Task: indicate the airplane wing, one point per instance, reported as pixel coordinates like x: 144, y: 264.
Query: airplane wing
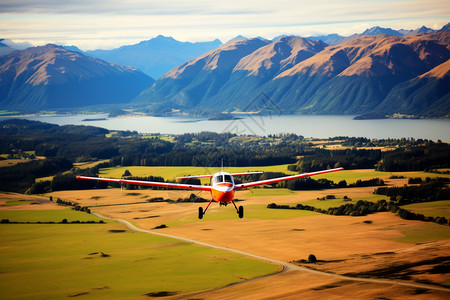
x: 151, y: 183
x: 273, y: 180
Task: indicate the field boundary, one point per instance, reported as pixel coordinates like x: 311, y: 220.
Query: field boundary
x: 286, y: 266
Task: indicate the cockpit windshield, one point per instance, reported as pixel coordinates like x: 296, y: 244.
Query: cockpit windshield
x: 223, y: 178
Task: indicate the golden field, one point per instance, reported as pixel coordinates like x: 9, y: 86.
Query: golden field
x: 380, y: 245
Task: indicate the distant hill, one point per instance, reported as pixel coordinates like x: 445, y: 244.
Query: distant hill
x: 368, y: 73
x: 156, y: 56
x: 335, y: 39
x: 51, y: 77
x: 4, y: 48
x: 380, y: 30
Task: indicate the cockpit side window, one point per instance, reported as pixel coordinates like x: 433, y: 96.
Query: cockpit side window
x: 228, y: 178
x: 218, y: 179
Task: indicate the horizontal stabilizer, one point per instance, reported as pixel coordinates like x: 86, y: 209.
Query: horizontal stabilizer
x: 195, y: 176
x: 211, y: 175
x: 247, y: 173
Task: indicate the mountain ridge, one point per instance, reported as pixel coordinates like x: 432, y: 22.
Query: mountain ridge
x: 156, y: 56
x: 351, y: 78
x: 49, y: 77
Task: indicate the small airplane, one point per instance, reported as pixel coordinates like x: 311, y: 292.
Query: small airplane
x: 222, y: 186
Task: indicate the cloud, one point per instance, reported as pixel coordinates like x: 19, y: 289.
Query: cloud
x: 89, y: 24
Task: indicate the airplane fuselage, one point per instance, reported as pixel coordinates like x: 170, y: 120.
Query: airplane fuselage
x: 222, y: 187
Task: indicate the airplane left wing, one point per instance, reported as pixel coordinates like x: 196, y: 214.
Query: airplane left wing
x: 273, y: 180
x: 151, y: 183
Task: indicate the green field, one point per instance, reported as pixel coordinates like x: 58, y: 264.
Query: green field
x: 60, y: 261
x: 19, y: 202
x: 431, y: 209
x: 263, y: 192
x: 422, y: 233
x: 351, y: 176
x: 47, y: 215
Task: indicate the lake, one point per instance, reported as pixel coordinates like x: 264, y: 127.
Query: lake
x: 307, y: 126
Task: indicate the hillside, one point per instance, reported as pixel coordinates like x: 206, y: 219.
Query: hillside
x: 51, y: 77
x: 363, y: 75
x: 227, y: 74
x: 4, y: 48
x: 200, y: 78
x: 156, y: 56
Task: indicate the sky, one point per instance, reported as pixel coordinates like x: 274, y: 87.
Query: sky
x: 107, y: 24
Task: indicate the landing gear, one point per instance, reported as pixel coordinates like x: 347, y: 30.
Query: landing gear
x: 201, y: 213
x: 239, y: 210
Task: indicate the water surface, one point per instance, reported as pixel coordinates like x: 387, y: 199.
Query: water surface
x: 307, y: 126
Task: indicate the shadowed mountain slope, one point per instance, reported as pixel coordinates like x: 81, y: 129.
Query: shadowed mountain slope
x: 201, y: 78
x: 298, y: 75
x: 52, y: 77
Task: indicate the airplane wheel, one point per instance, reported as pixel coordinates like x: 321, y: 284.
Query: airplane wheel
x: 241, y: 212
x: 200, y: 212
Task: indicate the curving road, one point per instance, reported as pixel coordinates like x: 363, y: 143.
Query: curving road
x: 286, y: 266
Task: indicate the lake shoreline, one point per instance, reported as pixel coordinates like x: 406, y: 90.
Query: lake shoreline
x: 315, y: 126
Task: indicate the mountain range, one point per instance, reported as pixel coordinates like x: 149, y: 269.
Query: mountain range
x: 51, y: 77
x: 156, y: 56
x: 370, y: 73
x: 378, y: 72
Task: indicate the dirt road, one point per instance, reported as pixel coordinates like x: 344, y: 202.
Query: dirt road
x: 287, y: 267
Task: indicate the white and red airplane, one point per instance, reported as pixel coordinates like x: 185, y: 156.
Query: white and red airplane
x: 222, y: 186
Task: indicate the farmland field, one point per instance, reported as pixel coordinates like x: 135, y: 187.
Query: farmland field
x: 104, y: 261
x: 432, y: 209
x: 136, y: 264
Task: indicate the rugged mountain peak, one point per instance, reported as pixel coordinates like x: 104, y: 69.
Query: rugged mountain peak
x: 305, y: 76
x: 379, y: 30
x: 222, y: 58
x: 279, y: 55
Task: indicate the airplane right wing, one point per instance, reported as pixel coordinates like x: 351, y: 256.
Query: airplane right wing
x: 273, y: 180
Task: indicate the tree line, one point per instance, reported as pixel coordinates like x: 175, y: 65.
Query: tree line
x: 363, y: 208
x: 431, y: 190
x: 65, y: 145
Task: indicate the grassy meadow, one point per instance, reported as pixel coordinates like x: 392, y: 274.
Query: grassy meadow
x: 423, y: 233
x: 104, y: 261
x: 434, y: 209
